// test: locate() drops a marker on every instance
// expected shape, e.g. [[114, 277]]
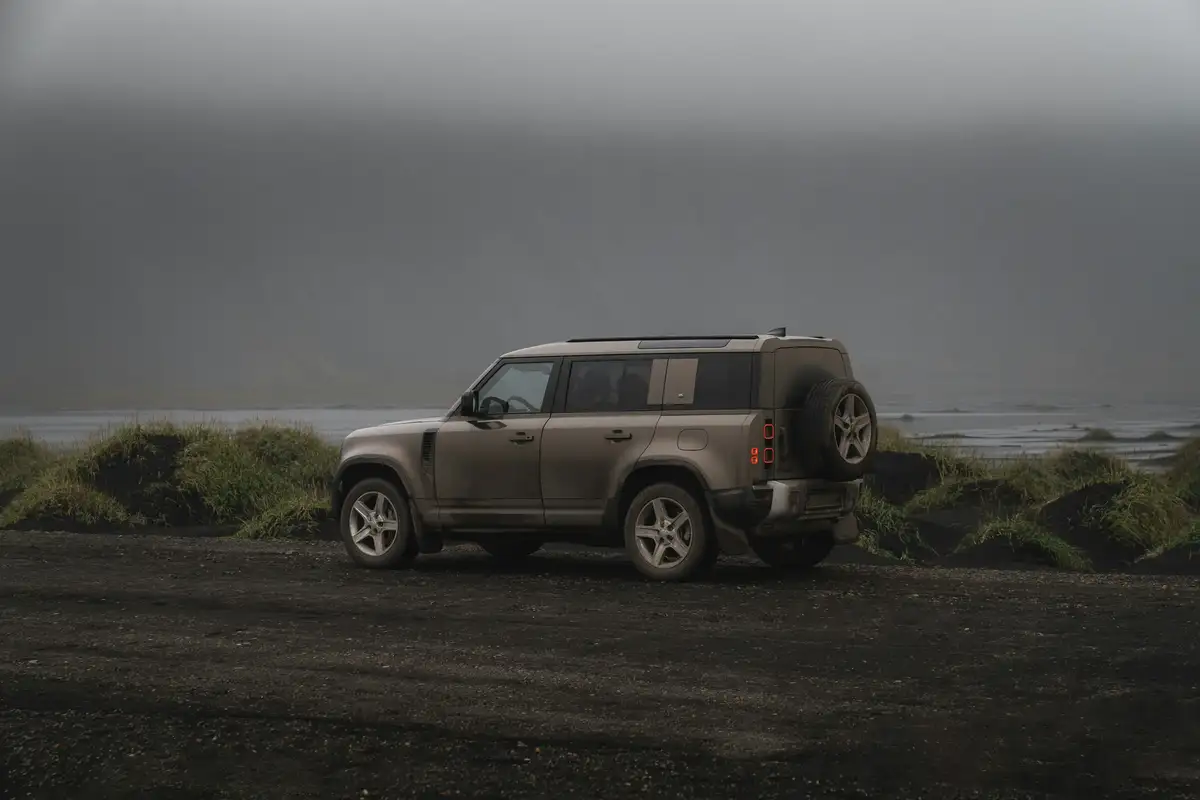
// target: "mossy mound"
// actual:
[[1075, 509], [138, 467], [59, 501], [170, 475], [1179, 558], [1117, 522], [1018, 539], [1021, 483]]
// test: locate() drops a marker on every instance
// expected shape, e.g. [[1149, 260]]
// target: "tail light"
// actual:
[[766, 454]]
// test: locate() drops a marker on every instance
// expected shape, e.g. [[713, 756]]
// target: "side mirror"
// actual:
[[469, 404]]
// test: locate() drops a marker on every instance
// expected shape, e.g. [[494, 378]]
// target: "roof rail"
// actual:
[[660, 338]]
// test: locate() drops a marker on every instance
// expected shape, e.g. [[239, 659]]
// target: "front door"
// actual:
[[487, 470]]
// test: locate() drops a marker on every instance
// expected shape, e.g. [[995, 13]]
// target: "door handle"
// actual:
[[520, 438], [618, 436]]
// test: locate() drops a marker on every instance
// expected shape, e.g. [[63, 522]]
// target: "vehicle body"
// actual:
[[678, 448]]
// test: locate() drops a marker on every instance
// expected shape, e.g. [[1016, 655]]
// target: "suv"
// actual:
[[678, 449]]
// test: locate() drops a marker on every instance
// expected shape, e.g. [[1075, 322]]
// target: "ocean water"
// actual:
[[1145, 433]]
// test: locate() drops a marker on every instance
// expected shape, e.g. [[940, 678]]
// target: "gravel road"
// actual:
[[174, 668]]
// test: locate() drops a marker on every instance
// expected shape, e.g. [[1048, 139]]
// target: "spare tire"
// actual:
[[838, 430]]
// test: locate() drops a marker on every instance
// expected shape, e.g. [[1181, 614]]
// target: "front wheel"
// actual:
[[667, 533], [794, 553], [376, 527]]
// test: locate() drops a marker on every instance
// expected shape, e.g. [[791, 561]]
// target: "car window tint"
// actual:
[[722, 382], [609, 385], [523, 380]]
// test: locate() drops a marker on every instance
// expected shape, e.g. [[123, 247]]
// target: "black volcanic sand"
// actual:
[[161, 667]]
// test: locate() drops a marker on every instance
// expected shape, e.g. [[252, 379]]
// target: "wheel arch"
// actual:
[[361, 468], [659, 470]]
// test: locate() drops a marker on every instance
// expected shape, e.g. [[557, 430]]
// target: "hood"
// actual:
[[395, 427]]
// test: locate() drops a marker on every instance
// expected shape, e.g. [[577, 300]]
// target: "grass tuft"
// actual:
[[1025, 536], [1145, 513], [298, 516], [1184, 475], [884, 529], [21, 460]]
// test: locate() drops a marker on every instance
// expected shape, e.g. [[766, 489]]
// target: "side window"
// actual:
[[609, 385], [709, 382], [518, 387]]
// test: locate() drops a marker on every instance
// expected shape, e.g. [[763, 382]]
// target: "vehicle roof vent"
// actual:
[[777, 332]]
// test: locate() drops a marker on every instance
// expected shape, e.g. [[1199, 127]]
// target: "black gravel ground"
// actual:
[[170, 668]]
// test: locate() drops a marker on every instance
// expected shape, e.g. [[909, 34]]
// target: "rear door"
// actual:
[[602, 422]]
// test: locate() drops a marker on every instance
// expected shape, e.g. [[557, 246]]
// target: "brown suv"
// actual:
[[676, 448]]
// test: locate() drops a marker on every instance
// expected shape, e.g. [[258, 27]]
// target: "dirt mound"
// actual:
[[140, 471], [1181, 560], [1074, 519], [998, 553], [943, 530], [898, 477]]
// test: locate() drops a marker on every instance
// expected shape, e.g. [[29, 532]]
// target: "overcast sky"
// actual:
[[744, 64], [277, 201]]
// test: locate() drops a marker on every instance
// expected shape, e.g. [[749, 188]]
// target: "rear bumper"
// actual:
[[785, 502]]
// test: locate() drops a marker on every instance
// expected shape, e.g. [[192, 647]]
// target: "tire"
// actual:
[[794, 553], [399, 549], [511, 547], [693, 538], [833, 448]]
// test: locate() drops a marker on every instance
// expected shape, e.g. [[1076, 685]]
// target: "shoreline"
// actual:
[[1142, 434]]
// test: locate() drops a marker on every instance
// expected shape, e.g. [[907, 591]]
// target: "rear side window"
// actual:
[[710, 382], [609, 385]]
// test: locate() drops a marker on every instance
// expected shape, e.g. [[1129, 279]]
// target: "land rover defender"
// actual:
[[678, 449]]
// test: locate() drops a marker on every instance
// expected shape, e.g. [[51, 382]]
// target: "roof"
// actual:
[[651, 345]]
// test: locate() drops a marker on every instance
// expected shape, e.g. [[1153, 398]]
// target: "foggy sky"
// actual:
[[224, 203]]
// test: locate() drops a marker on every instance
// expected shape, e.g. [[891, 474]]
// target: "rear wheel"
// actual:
[[667, 534], [794, 553], [376, 527], [511, 547]]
